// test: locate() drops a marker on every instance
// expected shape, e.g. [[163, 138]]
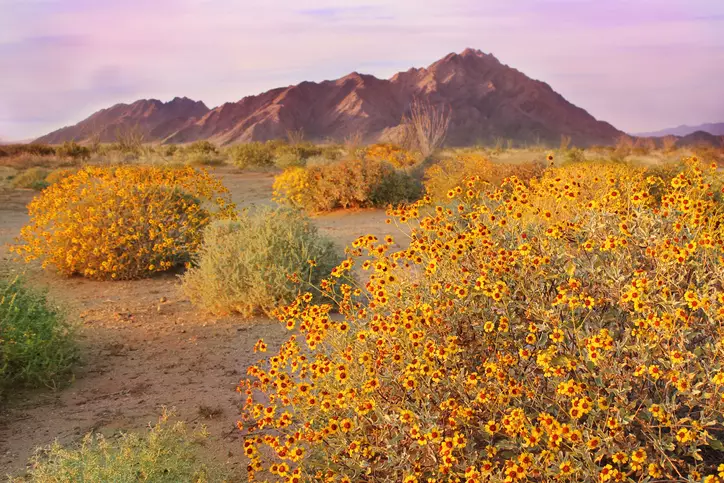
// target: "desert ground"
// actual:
[[144, 346]]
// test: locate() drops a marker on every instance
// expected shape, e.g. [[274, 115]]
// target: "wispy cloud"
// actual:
[[640, 64]]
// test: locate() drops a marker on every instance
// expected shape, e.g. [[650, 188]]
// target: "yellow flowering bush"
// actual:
[[344, 184], [449, 173], [122, 222], [393, 154], [567, 329]]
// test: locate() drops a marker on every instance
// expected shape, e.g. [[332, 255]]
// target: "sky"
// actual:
[[641, 65]]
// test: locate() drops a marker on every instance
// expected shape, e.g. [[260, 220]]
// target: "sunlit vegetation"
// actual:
[[568, 328]]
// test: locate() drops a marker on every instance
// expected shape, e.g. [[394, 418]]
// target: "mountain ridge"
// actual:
[[714, 128], [488, 100]]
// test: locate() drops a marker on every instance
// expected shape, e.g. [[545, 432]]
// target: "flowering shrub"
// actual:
[[256, 264], [122, 223], [450, 173], [344, 184], [568, 329], [395, 155]]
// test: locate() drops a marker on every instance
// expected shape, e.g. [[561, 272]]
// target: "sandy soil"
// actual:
[[145, 347]]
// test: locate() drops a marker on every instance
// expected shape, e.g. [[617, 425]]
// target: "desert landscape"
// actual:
[[445, 270]]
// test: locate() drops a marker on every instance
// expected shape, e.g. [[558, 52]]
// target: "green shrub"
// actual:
[[575, 155], [36, 345], [169, 150], [32, 178], [254, 154], [200, 153], [73, 150], [394, 187], [302, 150], [245, 266], [344, 184], [166, 453], [288, 160]]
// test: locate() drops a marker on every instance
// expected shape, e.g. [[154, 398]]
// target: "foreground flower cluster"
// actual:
[[126, 222], [566, 329]]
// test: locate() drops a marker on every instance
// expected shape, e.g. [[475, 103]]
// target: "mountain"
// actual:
[[700, 138], [487, 100], [715, 128], [156, 120]]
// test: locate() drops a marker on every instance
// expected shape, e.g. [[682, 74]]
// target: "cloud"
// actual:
[[640, 64]]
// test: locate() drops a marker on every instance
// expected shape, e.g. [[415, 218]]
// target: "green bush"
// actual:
[[302, 150], [256, 264], [166, 453], [200, 153], [36, 343], [345, 184], [288, 160], [575, 155], [254, 154], [73, 150], [32, 178], [169, 150], [395, 187]]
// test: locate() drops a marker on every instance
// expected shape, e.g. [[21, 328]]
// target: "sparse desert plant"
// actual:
[[353, 142], [624, 147], [295, 136], [343, 184], [643, 146], [166, 453], [129, 139], [257, 263], [36, 341], [565, 143], [668, 143], [511, 341], [31, 178], [122, 222], [254, 154], [427, 125]]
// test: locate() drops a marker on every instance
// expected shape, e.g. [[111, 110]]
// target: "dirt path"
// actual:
[[144, 347]]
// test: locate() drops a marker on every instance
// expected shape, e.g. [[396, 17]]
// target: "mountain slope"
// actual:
[[487, 99], [715, 128], [155, 119]]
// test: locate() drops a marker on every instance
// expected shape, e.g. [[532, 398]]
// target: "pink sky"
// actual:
[[639, 64]]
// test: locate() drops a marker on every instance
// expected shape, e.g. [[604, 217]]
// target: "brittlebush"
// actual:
[[450, 173], [567, 329], [395, 155], [119, 223], [345, 184]]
